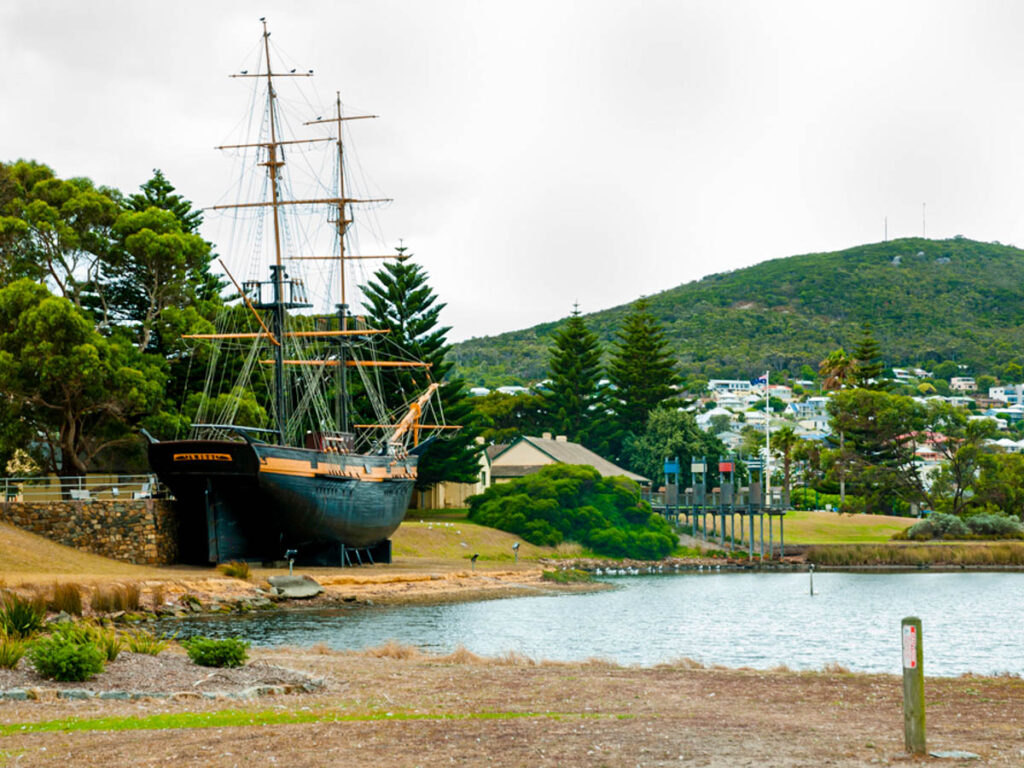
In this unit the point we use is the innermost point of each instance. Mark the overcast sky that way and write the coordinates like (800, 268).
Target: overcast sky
(543, 153)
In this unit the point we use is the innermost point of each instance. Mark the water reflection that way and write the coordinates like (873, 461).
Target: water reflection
(749, 619)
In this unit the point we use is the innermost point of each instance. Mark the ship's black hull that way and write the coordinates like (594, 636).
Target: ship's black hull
(255, 501)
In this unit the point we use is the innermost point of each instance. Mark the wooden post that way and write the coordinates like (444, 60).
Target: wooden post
(913, 686)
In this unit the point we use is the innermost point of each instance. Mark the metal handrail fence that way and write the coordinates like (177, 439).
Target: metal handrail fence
(87, 488)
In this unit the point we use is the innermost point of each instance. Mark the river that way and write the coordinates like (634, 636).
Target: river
(971, 622)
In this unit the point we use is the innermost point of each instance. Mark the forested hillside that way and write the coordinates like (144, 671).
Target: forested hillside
(928, 301)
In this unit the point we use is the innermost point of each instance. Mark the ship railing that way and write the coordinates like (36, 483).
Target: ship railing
(92, 487)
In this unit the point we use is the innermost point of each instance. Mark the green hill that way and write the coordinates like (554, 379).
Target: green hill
(928, 301)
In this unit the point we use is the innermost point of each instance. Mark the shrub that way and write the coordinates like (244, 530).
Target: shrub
(20, 617)
(143, 641)
(574, 503)
(67, 598)
(236, 569)
(994, 526)
(939, 526)
(68, 655)
(11, 651)
(206, 652)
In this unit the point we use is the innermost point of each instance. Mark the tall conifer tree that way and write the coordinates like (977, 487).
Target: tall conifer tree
(868, 368)
(643, 369)
(575, 404)
(399, 299)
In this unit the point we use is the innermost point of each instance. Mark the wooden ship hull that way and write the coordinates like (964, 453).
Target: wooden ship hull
(256, 501)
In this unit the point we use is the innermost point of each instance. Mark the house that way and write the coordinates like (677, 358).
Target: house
(963, 384)
(729, 385)
(1012, 394)
(811, 408)
(527, 455)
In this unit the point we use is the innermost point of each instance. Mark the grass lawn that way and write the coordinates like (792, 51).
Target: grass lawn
(447, 534)
(818, 527)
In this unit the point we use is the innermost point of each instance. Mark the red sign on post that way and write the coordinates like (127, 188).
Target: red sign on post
(725, 466)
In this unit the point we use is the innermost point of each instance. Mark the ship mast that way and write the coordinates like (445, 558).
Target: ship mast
(286, 293)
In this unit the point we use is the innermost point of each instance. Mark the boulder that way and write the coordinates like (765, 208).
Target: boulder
(295, 587)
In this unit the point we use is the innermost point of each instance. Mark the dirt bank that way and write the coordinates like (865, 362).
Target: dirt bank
(395, 707)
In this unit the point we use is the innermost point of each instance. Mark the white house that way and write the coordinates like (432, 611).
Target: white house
(963, 384)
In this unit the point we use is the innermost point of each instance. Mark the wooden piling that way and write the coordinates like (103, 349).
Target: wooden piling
(913, 686)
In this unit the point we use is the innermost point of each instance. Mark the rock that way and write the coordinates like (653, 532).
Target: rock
(62, 618)
(16, 694)
(295, 587)
(955, 754)
(115, 695)
(75, 693)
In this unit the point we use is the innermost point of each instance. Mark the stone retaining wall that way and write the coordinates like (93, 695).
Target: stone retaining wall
(140, 531)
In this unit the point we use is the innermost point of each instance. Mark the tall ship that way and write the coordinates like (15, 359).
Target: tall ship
(306, 438)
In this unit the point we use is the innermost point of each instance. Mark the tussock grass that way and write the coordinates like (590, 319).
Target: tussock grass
(393, 649)
(116, 597)
(236, 569)
(462, 655)
(66, 597)
(515, 659)
(835, 668)
(683, 662)
(977, 554)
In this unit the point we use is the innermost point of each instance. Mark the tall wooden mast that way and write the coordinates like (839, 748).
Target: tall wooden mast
(284, 294)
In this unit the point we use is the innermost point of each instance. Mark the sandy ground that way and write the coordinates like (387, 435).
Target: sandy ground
(400, 708)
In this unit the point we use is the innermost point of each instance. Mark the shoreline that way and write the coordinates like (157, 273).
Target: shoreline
(397, 706)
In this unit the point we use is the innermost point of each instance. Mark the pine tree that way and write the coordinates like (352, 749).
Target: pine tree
(868, 369)
(399, 299)
(576, 406)
(642, 370)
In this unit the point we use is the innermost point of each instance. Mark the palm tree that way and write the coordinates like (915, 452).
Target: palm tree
(838, 370)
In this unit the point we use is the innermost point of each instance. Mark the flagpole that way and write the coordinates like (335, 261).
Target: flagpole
(767, 442)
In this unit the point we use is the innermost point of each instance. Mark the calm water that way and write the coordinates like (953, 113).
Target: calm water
(971, 622)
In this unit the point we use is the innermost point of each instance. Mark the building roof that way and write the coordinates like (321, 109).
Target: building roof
(564, 452)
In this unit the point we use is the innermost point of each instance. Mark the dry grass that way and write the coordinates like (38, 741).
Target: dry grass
(461, 655)
(66, 597)
(925, 554)
(392, 649)
(27, 557)
(116, 597)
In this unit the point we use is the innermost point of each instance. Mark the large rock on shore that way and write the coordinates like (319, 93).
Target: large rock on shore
(295, 587)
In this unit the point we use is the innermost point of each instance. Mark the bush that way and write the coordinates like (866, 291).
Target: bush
(142, 641)
(236, 569)
(11, 651)
(995, 526)
(68, 655)
(20, 617)
(206, 652)
(67, 598)
(939, 526)
(574, 503)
